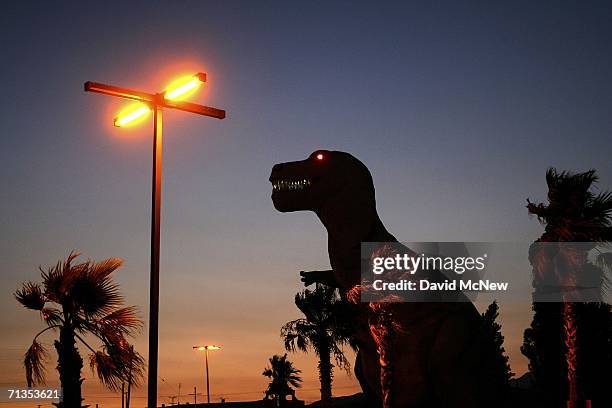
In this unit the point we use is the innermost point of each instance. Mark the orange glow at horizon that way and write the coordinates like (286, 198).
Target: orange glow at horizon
(182, 87)
(132, 115)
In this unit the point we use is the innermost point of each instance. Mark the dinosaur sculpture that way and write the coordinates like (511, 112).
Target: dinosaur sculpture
(410, 354)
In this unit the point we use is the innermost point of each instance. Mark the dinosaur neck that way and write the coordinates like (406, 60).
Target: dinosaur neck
(347, 220)
(347, 227)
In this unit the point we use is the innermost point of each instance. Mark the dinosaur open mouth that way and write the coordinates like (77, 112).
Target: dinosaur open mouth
(290, 185)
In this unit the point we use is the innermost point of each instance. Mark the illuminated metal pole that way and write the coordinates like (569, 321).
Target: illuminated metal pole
(207, 384)
(155, 233)
(156, 102)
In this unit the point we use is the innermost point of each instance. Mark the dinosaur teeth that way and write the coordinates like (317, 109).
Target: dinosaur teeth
(290, 185)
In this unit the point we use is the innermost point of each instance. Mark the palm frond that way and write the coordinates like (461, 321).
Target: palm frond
(95, 295)
(295, 379)
(51, 316)
(34, 363)
(340, 358)
(134, 366)
(71, 272)
(71, 257)
(52, 282)
(552, 176)
(31, 296)
(117, 362)
(109, 336)
(600, 208)
(298, 335)
(106, 370)
(86, 286)
(124, 320)
(101, 270)
(57, 279)
(570, 185)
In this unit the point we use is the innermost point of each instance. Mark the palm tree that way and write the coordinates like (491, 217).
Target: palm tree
(324, 330)
(78, 300)
(574, 214)
(284, 376)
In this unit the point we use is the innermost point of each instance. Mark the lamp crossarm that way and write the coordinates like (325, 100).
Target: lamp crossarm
(153, 99)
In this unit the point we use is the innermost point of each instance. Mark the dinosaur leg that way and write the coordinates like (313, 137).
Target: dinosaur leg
(409, 387)
(458, 362)
(371, 399)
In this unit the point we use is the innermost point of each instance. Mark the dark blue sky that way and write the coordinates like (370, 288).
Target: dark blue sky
(457, 108)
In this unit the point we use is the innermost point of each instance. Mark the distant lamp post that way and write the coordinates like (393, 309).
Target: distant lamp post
(145, 103)
(205, 350)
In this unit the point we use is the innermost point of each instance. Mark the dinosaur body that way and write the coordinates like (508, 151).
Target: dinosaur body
(410, 354)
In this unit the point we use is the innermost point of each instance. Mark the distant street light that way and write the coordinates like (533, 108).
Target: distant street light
(205, 349)
(145, 103)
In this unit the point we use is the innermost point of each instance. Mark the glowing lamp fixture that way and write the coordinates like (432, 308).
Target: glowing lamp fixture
(209, 347)
(183, 87)
(320, 156)
(132, 114)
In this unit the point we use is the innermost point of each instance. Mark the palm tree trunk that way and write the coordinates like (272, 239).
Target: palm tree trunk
(325, 374)
(69, 365)
(383, 332)
(571, 353)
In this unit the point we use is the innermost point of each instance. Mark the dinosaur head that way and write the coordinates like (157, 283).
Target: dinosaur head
(326, 178)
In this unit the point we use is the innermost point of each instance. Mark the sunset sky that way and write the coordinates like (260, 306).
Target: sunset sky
(458, 109)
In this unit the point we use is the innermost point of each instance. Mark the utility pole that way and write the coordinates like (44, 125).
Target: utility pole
(129, 387)
(129, 391)
(207, 382)
(195, 395)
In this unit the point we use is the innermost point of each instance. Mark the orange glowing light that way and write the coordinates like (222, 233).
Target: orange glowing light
(184, 87)
(320, 156)
(210, 347)
(131, 115)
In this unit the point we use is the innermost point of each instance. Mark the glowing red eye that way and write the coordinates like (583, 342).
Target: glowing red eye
(320, 156)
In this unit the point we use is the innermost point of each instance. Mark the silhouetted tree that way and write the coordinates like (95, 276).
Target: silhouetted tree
(76, 300)
(284, 376)
(500, 368)
(561, 344)
(324, 329)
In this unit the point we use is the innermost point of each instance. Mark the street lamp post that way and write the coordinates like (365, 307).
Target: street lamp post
(145, 103)
(205, 349)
